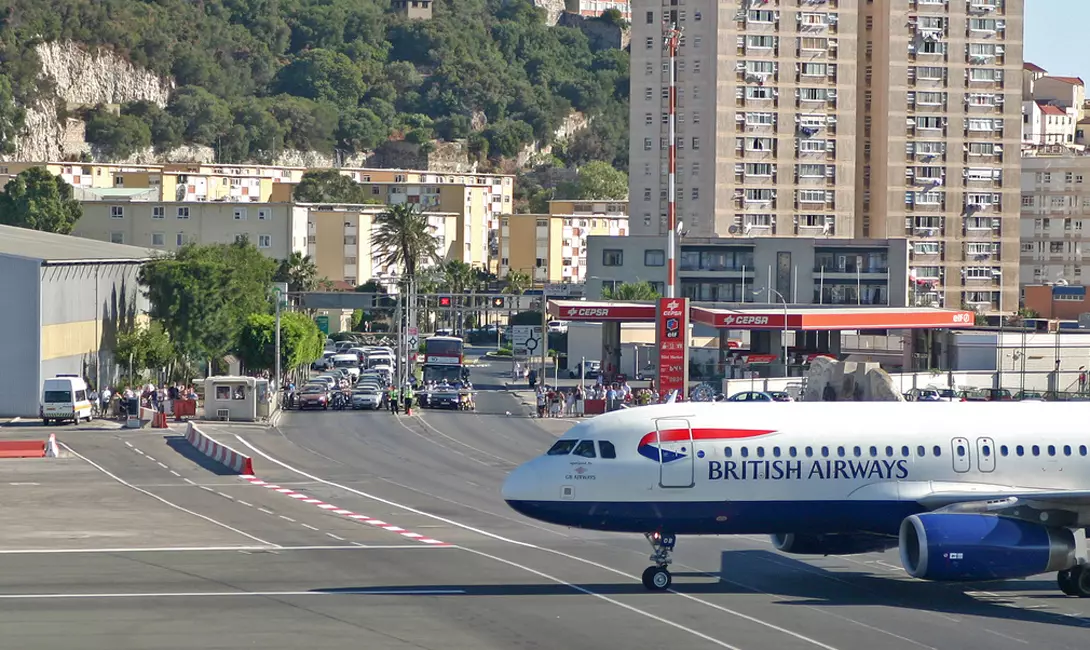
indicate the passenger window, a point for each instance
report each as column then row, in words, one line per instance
column 937, row 450
column 889, row 452
column 840, row 451
column 873, row 452
column 606, row 449
column 562, row 447
column 825, row 452
column 986, row 450
column 1067, row 450
column 792, row 452
column 905, row 452
column 745, row 452
column 1003, row 450
column 920, row 451
column 585, row 449
column 857, row 451
column 961, row 450
column 1052, row 450
column 1082, row 450
column 760, row 452
column 1036, row 450
column 776, row 452
column 810, row 452
column 1020, row 450
column 728, row 452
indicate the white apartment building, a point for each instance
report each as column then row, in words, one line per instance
column 1044, row 123
column 840, row 118
column 1055, row 223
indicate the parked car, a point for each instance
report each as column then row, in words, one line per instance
column 751, row 396
column 589, row 370
column 972, row 395
column 997, row 394
column 1029, row 396
column 923, row 395
column 313, row 396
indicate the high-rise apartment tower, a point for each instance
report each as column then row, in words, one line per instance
column 840, row 118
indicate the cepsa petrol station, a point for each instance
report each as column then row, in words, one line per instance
column 817, row 330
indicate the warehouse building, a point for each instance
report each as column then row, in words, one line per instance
column 62, row 301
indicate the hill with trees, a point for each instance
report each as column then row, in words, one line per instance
column 257, row 77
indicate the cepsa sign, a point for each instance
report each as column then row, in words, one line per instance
column 744, row 321
column 608, row 312
column 672, row 328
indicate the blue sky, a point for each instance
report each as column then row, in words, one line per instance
column 1056, row 36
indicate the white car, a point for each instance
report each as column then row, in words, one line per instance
column 369, row 397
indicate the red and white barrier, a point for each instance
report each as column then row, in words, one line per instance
column 51, row 448
column 220, row 453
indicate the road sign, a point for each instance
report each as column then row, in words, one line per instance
column 414, row 337
column 280, row 293
column 323, row 324
column 526, row 339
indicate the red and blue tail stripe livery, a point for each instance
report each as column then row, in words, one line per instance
column 966, row 491
column 649, row 446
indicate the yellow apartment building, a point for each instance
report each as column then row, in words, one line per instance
column 277, row 229
column 552, row 248
column 339, row 241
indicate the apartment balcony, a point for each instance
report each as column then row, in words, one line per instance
column 988, row 229
column 938, row 6
column 760, row 103
column 983, row 7
column 809, row 230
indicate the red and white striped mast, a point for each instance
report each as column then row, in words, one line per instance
column 672, row 34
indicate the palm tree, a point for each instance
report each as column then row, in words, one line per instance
column 636, row 291
column 403, row 238
column 517, row 282
column 458, row 276
column 299, row 271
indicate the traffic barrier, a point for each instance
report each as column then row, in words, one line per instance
column 159, row 421
column 218, row 452
column 22, row 449
column 51, row 448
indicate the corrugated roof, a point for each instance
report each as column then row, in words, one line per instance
column 51, row 247
column 1033, row 67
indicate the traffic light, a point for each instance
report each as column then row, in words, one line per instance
column 498, row 302
column 444, row 301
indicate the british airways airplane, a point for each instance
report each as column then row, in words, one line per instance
column 967, row 491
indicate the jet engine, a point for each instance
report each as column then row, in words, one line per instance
column 970, row 547
column 831, row 544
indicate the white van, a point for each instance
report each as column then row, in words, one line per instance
column 349, row 362
column 65, row 398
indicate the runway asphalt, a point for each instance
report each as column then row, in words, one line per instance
column 331, row 557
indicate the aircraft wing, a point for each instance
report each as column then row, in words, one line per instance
column 1005, row 498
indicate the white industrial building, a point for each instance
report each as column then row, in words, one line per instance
column 62, row 301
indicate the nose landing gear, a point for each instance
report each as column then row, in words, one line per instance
column 657, row 577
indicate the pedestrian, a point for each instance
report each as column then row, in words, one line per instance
column 1082, row 379
column 394, row 400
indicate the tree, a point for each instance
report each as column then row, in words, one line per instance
column 301, row 342
column 458, row 276
column 328, row 186
column 38, row 200
column 323, row 75
column 639, row 291
column 403, row 238
column 299, row 271
column 203, row 294
column 119, row 136
column 517, row 282
column 12, row 117
column 599, row 180
column 386, row 303
column 147, row 347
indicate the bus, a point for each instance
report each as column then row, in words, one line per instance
column 444, row 358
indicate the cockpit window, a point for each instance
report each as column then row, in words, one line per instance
column 606, row 449
column 562, row 448
column 585, row 448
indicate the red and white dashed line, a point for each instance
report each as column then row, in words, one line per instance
column 337, row 510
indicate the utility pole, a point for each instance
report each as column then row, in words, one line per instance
column 672, row 38
column 280, row 293
column 544, row 330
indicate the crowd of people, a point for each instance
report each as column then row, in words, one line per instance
column 115, row 402
column 569, row 402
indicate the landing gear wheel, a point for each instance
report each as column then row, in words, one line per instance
column 657, row 578
column 1077, row 582
column 1066, row 581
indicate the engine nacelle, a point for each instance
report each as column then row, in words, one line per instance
column 831, row 544
column 969, row 547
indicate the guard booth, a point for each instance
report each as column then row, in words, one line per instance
column 242, row 399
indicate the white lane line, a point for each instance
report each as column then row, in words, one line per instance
column 161, row 464
column 286, row 518
column 138, row 451
column 206, row 488
column 226, row 496
column 265, row 510
column 243, row 503
column 252, row 594
column 337, row 537
column 129, row 444
column 161, row 499
column 205, row 549
column 455, row 440
column 189, row 481
column 151, row 459
column 308, row 526
column 575, row 558
column 175, row 473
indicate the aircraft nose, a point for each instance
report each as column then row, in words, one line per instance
column 522, row 484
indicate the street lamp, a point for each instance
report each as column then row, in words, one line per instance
column 783, row 343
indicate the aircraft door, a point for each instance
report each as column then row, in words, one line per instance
column 959, row 447
column 985, row 454
column 677, row 464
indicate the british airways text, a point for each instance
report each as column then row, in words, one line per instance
column 785, row 470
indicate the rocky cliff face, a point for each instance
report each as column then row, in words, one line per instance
column 553, row 9
column 81, row 76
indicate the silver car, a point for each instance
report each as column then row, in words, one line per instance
column 366, row 398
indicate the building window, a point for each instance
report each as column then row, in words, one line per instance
column 183, row 212
column 612, row 257
column 240, row 214
column 157, row 239
column 117, row 237
column 117, row 212
column 263, row 215
column 653, row 258
column 180, row 239
column 264, row 241
column 158, row 212
column 350, row 261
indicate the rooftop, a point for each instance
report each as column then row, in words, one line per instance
column 1069, row 80
column 1033, row 67
column 1049, row 109
column 51, row 247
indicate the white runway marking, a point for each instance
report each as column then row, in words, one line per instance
column 259, row 594
column 203, row 549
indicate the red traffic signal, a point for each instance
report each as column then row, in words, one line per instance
column 498, row 302
column 444, row 301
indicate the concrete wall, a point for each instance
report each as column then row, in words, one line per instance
column 19, row 337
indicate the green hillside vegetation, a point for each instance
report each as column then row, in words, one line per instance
column 256, row 77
